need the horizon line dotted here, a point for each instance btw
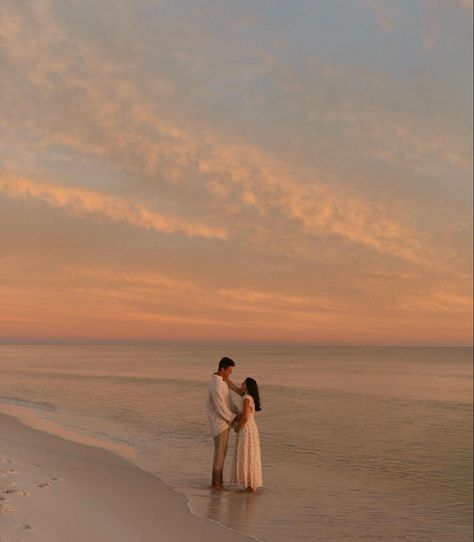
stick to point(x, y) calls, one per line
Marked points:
point(227, 343)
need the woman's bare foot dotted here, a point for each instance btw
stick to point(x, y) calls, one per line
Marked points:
point(251, 489)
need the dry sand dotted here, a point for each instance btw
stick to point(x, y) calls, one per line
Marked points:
point(56, 490)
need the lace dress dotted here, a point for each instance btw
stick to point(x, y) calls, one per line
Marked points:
point(247, 464)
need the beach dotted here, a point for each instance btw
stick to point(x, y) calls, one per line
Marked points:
point(285, 184)
point(357, 443)
point(55, 490)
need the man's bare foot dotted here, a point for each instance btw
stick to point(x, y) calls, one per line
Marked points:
point(220, 488)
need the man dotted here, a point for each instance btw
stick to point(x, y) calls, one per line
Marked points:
point(221, 413)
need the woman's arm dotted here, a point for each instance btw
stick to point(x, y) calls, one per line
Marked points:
point(245, 416)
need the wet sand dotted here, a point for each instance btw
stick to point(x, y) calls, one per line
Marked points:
point(55, 490)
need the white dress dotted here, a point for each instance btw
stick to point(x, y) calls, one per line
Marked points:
point(247, 463)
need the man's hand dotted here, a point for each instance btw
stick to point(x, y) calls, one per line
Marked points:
point(237, 423)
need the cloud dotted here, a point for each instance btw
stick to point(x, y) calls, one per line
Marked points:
point(467, 4)
point(93, 302)
point(433, 11)
point(438, 302)
point(383, 14)
point(205, 169)
point(81, 202)
point(266, 185)
point(116, 128)
point(386, 17)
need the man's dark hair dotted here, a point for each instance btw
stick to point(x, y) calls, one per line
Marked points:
point(226, 362)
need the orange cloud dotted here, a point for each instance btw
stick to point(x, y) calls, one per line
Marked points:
point(81, 202)
point(238, 178)
point(276, 211)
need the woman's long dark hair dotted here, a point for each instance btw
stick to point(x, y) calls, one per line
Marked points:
point(252, 388)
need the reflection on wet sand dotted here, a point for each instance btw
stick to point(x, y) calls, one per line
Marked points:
point(232, 508)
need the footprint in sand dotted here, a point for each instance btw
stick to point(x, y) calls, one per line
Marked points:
point(43, 484)
point(26, 526)
point(8, 491)
point(7, 508)
point(8, 472)
point(22, 493)
point(5, 460)
point(57, 478)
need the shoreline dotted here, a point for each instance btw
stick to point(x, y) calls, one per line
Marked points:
point(50, 477)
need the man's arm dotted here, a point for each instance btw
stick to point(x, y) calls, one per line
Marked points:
point(236, 408)
point(220, 403)
point(233, 387)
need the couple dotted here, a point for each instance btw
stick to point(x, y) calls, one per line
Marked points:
point(224, 415)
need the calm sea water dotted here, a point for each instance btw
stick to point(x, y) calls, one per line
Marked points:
point(358, 444)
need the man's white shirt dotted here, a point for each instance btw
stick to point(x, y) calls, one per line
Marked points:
point(220, 409)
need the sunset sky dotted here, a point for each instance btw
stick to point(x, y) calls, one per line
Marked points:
point(255, 171)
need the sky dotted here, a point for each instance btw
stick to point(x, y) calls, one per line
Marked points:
point(246, 172)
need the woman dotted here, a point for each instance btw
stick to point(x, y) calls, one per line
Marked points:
point(247, 465)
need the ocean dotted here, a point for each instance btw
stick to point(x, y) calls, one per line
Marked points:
point(358, 444)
